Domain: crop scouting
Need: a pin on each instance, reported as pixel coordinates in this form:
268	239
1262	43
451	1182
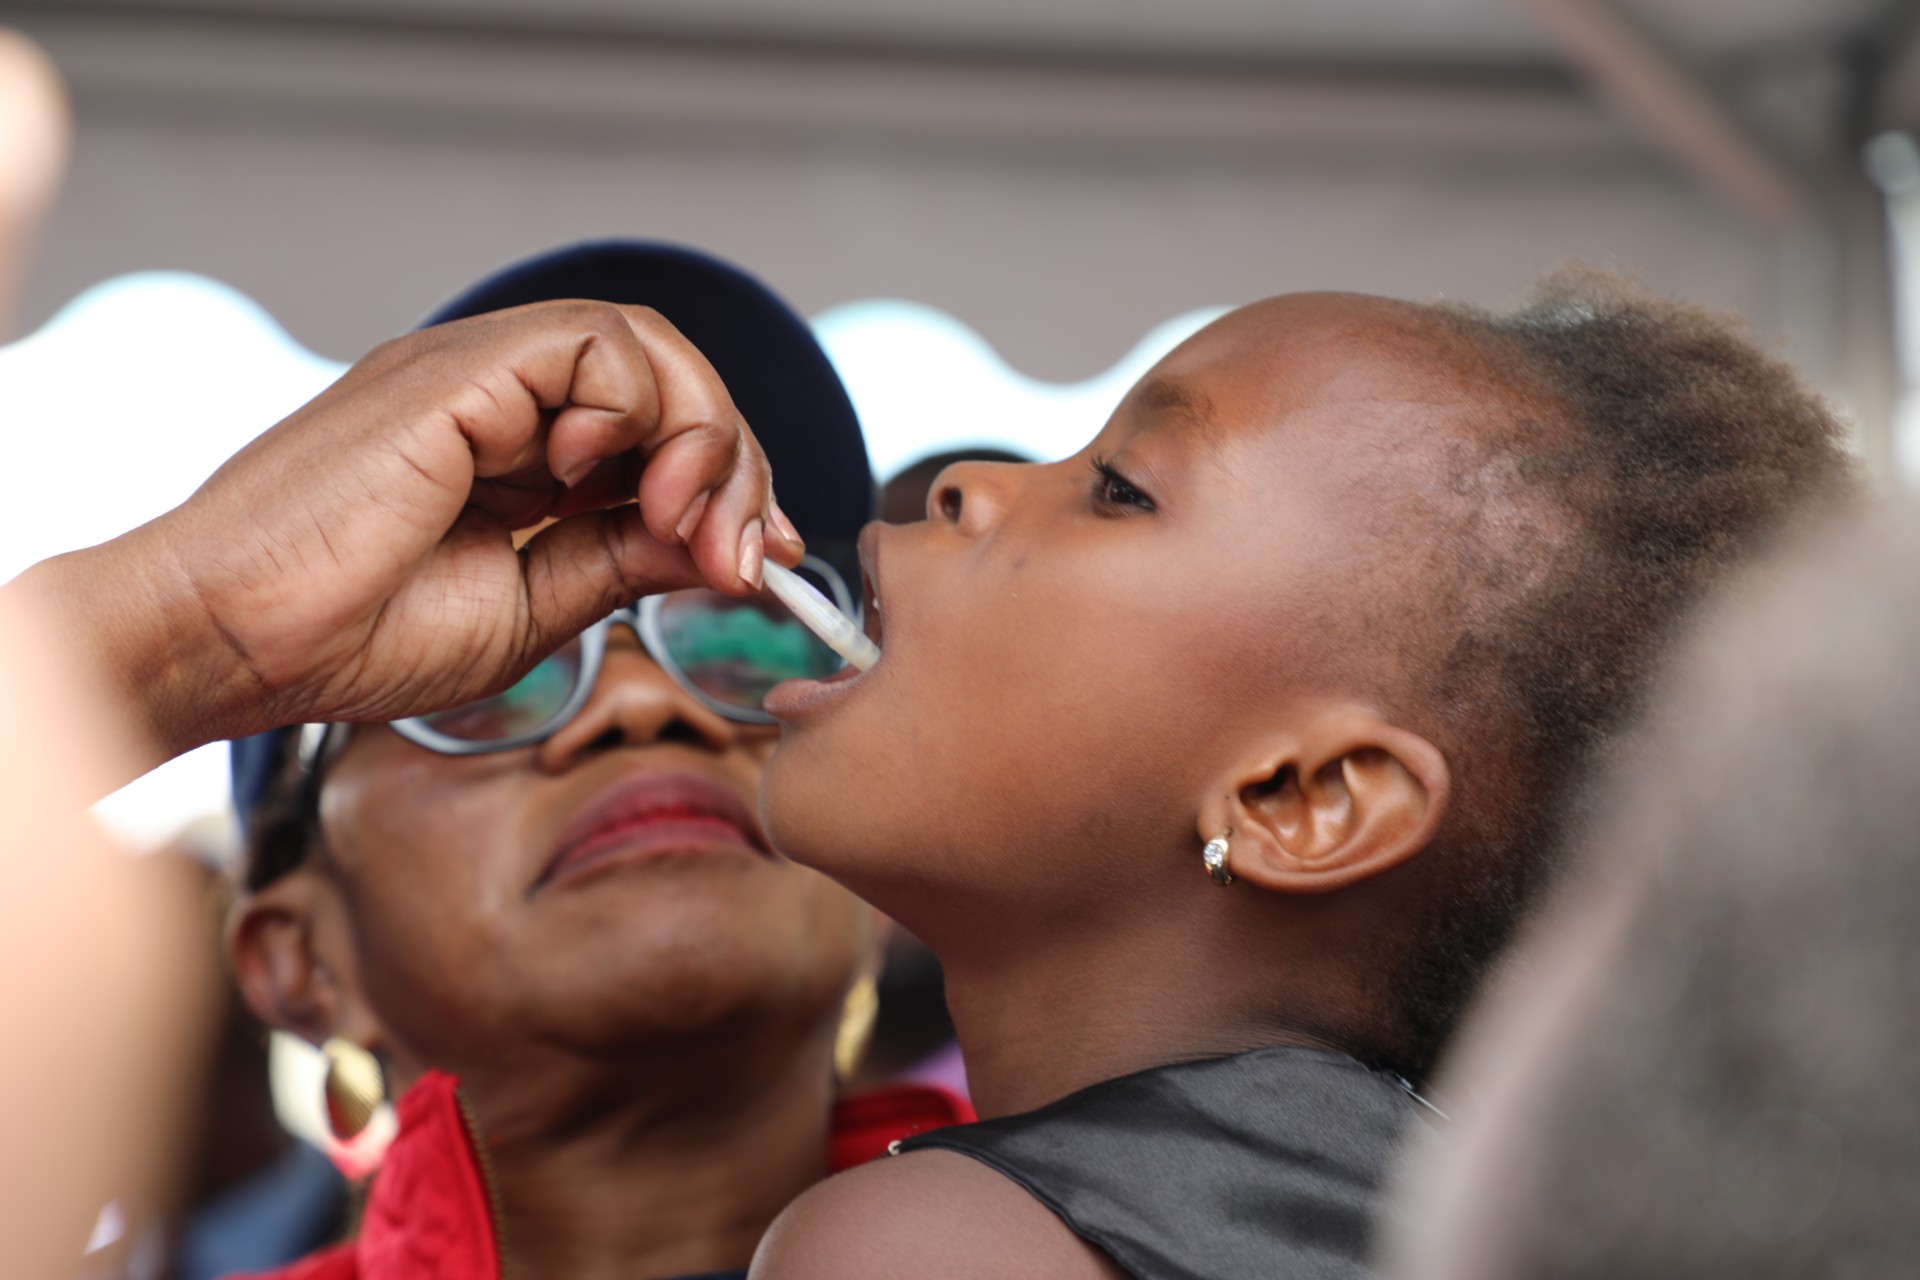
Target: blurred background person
238	1190
615	1018
1701	1070
102	977
246	1194
36	132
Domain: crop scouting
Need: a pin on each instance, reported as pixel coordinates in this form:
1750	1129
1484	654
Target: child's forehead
1349	337
1297	353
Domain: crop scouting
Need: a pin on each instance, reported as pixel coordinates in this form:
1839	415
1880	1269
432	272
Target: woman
611	1013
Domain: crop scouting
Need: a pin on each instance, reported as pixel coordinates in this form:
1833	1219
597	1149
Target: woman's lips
651	816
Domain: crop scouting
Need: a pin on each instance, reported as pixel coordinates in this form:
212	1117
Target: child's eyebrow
1178	405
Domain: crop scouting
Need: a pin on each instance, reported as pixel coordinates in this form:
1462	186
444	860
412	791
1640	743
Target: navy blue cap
773	366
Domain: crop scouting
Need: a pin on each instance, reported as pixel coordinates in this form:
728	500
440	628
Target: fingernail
753	551
684	530
783	528
575	474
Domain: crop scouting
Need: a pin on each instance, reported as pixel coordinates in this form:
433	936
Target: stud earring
1215	856
355	1087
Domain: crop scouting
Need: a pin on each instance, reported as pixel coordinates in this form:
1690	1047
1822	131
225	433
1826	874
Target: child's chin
825	810
797	816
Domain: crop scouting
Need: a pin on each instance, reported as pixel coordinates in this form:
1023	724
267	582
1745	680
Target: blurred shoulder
927	1214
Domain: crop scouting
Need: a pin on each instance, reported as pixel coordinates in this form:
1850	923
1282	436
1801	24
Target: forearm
131	626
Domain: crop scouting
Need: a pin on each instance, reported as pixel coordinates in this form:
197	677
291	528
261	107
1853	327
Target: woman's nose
635	704
971	496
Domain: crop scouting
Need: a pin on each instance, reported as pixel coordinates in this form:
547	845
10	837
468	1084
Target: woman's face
605	890
1075	653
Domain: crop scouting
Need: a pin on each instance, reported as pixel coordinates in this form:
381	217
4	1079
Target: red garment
429	1214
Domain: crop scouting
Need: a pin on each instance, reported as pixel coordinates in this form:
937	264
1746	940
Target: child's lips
792	699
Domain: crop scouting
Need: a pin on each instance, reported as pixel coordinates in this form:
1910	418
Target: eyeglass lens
729	649
734	650
525	708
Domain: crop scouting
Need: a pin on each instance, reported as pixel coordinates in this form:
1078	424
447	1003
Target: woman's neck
675	1167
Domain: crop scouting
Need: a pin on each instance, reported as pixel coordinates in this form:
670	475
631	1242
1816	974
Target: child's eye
1112	490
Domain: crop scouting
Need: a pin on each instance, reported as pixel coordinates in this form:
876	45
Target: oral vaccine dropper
835	629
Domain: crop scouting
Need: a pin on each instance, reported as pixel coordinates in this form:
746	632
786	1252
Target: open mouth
654	816
870	622
794	697
870	619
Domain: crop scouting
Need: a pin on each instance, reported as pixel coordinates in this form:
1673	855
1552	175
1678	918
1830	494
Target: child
1217	762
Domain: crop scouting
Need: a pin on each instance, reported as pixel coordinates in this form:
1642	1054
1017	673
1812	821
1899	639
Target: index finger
694	409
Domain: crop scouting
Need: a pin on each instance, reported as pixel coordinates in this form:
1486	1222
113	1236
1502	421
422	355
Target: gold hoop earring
355	1087
1214	855
858	1013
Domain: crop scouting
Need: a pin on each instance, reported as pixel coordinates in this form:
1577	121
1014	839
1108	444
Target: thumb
582	568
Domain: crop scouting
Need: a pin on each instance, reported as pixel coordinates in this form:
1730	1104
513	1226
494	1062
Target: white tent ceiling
1731	89
1469	31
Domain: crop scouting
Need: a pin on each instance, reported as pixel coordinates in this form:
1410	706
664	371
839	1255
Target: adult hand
357	561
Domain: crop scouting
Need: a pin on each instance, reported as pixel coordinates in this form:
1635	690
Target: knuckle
602	319
626	578
723	439
714	441
396	351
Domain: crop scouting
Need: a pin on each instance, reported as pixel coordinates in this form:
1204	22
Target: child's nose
635	704
971	495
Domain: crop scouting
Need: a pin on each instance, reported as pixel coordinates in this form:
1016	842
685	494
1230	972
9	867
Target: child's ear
1342	797
289	948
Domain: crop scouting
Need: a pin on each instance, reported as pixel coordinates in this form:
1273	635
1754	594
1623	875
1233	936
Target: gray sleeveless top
1258	1166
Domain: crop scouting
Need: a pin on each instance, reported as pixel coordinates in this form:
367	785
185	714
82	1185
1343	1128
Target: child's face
1074	660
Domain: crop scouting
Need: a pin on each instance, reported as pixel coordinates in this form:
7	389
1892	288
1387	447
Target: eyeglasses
725	651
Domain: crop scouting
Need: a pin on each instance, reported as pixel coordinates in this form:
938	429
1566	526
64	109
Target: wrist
128	616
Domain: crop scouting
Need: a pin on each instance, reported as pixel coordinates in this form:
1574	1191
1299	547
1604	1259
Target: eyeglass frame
315	745
643	618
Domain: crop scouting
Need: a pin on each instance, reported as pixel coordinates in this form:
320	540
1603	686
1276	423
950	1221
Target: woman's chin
669	1001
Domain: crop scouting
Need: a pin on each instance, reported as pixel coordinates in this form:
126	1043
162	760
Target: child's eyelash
1112	490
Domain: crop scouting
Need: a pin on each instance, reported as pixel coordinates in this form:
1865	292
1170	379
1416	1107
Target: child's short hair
1675	451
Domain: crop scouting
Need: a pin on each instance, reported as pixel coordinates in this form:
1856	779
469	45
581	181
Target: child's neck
1040	1024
